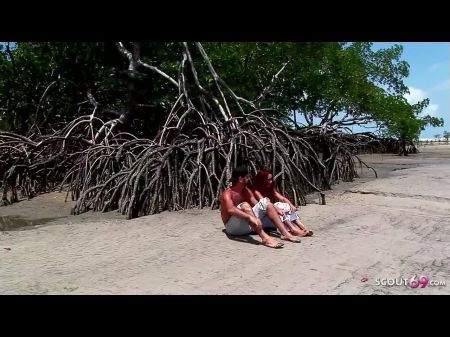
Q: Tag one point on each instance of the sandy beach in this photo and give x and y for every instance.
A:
(393, 227)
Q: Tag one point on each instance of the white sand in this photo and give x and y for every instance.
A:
(400, 228)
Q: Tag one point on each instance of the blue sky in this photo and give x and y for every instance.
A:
(429, 77)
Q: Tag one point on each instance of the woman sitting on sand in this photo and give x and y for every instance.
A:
(263, 186)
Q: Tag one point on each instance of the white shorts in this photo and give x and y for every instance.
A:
(289, 215)
(239, 226)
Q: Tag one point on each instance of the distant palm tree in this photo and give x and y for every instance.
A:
(446, 135)
(438, 136)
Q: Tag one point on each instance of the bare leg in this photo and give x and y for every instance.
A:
(266, 239)
(291, 227)
(273, 215)
(295, 230)
(302, 226)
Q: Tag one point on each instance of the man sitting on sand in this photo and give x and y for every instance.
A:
(240, 218)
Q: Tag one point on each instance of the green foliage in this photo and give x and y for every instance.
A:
(333, 83)
(446, 135)
(63, 71)
(66, 72)
(336, 83)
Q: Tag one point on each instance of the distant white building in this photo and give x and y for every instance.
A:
(439, 140)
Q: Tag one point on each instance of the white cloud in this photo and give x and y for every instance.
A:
(445, 85)
(415, 95)
(436, 66)
(430, 110)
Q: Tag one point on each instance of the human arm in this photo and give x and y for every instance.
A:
(251, 197)
(282, 198)
(258, 195)
(231, 209)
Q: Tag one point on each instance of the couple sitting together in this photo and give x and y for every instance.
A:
(255, 204)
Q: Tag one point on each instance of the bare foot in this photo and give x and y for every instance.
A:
(290, 238)
(297, 232)
(271, 243)
(303, 233)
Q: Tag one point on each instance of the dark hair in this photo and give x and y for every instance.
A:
(240, 171)
(265, 169)
(259, 183)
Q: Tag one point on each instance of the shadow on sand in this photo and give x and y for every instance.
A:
(248, 238)
(242, 238)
